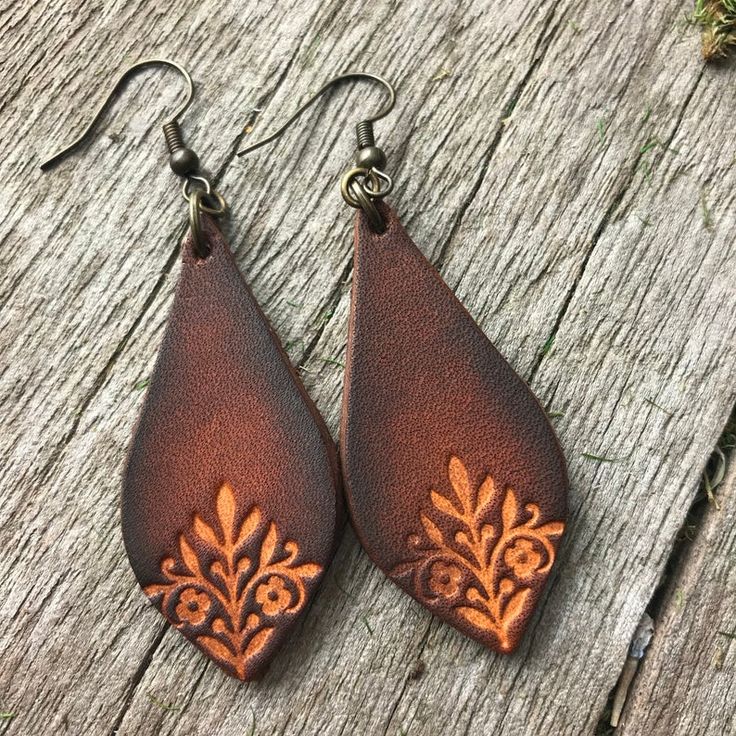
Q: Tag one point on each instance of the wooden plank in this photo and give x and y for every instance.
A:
(686, 682)
(540, 223)
(87, 258)
(634, 331)
(519, 695)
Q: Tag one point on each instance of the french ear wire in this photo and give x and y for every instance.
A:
(366, 181)
(184, 162)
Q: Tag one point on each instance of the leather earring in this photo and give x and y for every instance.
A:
(231, 500)
(455, 481)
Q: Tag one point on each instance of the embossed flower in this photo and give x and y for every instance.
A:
(444, 579)
(523, 559)
(273, 596)
(192, 607)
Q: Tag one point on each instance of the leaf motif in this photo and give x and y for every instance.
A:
(510, 510)
(432, 531)
(226, 511)
(445, 505)
(459, 480)
(480, 543)
(552, 529)
(215, 647)
(228, 578)
(477, 618)
(486, 493)
(189, 556)
(258, 641)
(154, 590)
(308, 571)
(249, 525)
(205, 531)
(462, 538)
(219, 626)
(514, 608)
(269, 545)
(473, 594)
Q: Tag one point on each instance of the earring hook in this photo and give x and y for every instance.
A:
(366, 181)
(364, 125)
(184, 162)
(131, 70)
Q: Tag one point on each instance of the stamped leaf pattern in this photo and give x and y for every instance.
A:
(483, 568)
(231, 587)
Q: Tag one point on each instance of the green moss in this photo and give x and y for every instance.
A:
(161, 704)
(600, 458)
(549, 342)
(718, 20)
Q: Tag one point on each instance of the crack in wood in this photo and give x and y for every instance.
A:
(606, 220)
(543, 43)
(685, 539)
(407, 679)
(137, 679)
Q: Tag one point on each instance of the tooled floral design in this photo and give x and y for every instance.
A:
(273, 596)
(523, 559)
(444, 579)
(228, 593)
(484, 571)
(193, 607)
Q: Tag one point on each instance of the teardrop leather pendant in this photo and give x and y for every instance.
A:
(456, 484)
(231, 497)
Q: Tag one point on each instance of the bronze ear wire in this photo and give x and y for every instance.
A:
(183, 161)
(366, 181)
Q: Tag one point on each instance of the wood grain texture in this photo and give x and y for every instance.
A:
(570, 168)
(686, 683)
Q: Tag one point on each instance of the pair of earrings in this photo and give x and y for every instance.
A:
(455, 482)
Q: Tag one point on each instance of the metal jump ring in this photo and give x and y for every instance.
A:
(195, 220)
(204, 199)
(375, 219)
(213, 204)
(349, 178)
(195, 223)
(380, 176)
(192, 178)
(211, 200)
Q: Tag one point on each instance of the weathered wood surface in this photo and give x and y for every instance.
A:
(570, 167)
(686, 684)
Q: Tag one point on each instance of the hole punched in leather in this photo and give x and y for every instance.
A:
(231, 498)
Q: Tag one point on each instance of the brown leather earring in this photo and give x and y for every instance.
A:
(455, 481)
(231, 500)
